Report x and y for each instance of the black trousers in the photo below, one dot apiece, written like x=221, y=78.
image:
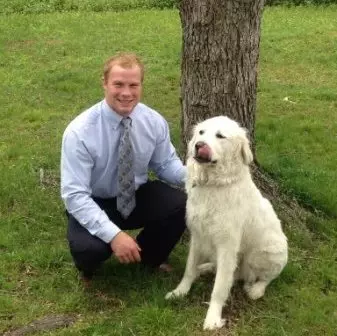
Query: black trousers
x=160, y=211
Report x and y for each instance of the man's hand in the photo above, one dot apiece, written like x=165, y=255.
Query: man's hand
x=125, y=248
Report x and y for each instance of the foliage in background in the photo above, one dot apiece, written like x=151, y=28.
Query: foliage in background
x=50, y=6
x=299, y=2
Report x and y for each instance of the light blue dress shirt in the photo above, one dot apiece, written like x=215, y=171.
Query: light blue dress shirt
x=89, y=161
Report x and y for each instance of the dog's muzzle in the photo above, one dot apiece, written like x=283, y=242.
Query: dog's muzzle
x=203, y=153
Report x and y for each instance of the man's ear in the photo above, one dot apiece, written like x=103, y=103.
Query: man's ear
x=246, y=152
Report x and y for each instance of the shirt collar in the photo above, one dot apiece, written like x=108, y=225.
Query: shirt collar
x=113, y=117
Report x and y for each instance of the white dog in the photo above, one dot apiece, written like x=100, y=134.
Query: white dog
x=234, y=229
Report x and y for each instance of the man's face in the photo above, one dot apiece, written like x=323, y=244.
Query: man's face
x=123, y=89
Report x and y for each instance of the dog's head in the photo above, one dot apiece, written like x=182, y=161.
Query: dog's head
x=219, y=140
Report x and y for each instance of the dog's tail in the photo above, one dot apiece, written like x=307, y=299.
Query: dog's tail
x=206, y=268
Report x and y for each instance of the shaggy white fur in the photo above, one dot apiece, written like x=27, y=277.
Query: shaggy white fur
x=234, y=229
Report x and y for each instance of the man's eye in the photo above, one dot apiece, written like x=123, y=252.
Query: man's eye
x=201, y=132
x=220, y=136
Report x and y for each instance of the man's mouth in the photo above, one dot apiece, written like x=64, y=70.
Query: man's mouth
x=125, y=102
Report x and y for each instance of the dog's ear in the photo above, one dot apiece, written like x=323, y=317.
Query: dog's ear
x=246, y=152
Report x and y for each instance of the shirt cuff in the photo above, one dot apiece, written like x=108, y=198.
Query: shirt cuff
x=108, y=231
x=182, y=176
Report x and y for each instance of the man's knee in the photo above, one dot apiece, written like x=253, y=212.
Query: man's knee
x=177, y=197
x=86, y=249
x=92, y=247
x=89, y=257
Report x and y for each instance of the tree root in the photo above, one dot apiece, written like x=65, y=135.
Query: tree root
x=46, y=323
x=289, y=210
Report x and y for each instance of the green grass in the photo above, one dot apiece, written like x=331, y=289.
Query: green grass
x=50, y=68
x=297, y=140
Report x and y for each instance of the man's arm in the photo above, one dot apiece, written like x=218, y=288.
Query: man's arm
x=165, y=161
x=76, y=166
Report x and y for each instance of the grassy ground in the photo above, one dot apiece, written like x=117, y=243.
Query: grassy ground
x=50, y=68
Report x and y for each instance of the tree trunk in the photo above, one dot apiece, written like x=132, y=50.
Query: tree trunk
x=220, y=55
x=219, y=61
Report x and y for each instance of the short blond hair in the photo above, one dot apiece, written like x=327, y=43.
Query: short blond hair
x=125, y=60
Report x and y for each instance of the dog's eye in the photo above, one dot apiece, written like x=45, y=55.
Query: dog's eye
x=220, y=136
x=201, y=132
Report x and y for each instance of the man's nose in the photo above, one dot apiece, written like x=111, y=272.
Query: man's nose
x=126, y=91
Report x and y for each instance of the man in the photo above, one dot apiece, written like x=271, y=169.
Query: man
x=106, y=153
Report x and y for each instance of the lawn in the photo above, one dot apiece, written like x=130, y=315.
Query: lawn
x=50, y=69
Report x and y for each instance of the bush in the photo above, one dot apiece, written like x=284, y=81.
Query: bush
x=164, y=3
x=299, y=2
x=49, y=6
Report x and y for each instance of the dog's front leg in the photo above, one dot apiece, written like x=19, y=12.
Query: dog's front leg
x=191, y=272
x=226, y=264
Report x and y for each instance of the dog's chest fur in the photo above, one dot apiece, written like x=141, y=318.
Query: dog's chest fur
x=203, y=217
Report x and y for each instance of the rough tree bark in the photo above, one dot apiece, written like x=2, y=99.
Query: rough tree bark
x=219, y=61
x=220, y=52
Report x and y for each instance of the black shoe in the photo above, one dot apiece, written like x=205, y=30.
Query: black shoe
x=86, y=278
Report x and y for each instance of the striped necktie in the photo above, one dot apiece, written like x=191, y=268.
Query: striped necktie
x=126, y=200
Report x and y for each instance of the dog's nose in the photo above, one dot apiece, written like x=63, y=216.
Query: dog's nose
x=199, y=144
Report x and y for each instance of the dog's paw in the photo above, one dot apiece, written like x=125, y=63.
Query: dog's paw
x=256, y=291
x=175, y=294
x=170, y=296
x=214, y=322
